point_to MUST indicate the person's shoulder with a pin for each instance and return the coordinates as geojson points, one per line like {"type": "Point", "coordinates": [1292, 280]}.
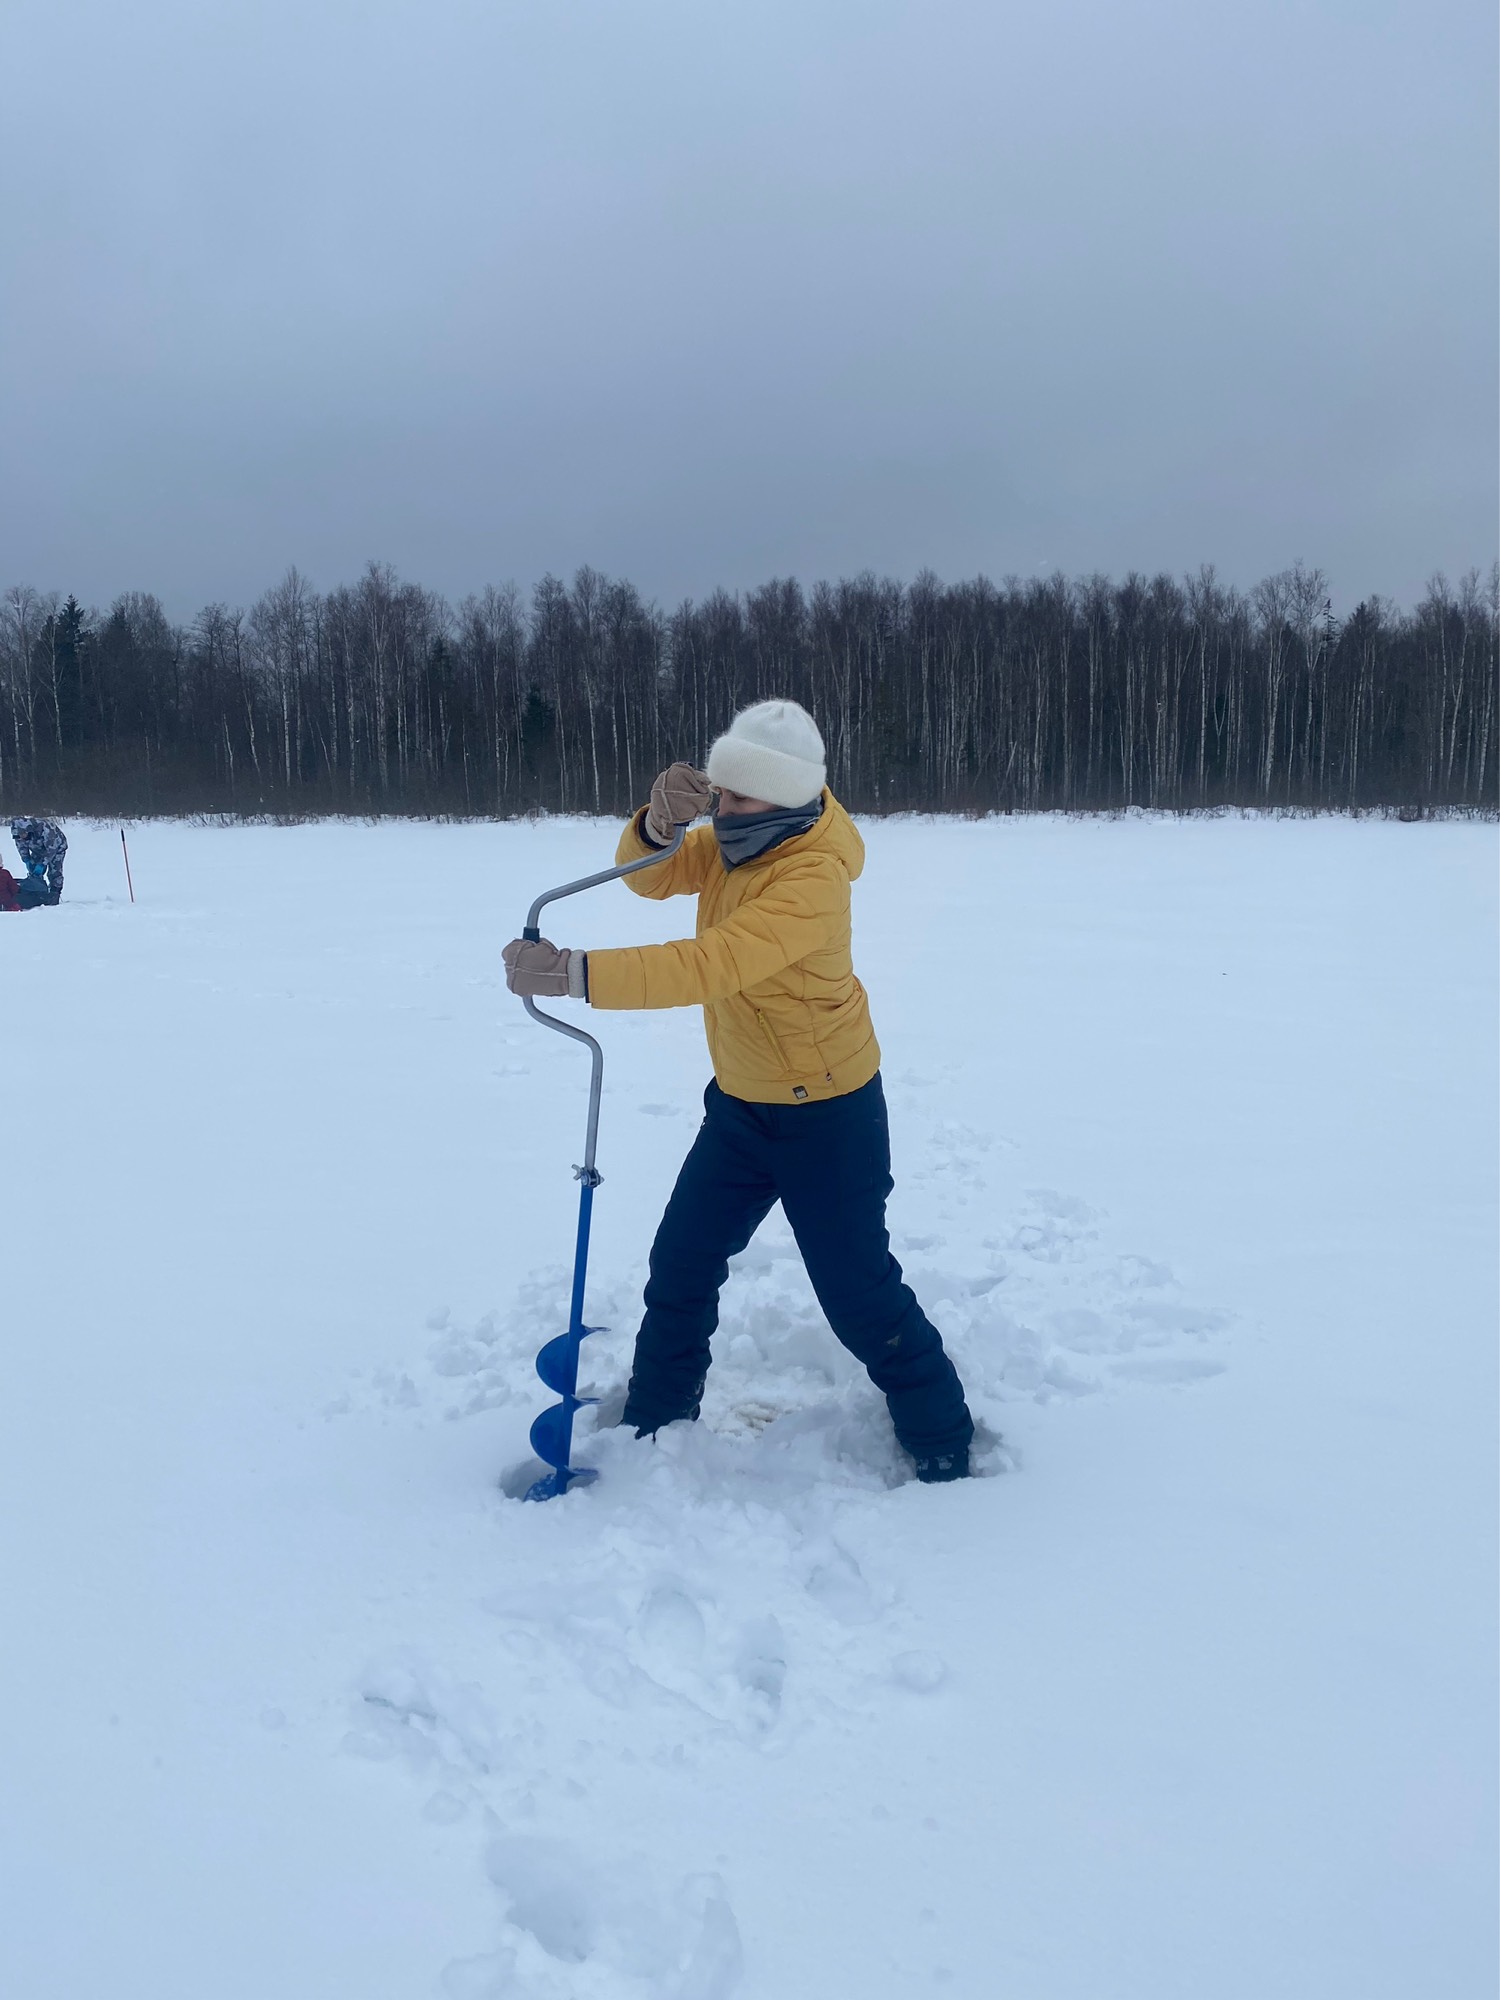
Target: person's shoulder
{"type": "Point", "coordinates": [810, 870]}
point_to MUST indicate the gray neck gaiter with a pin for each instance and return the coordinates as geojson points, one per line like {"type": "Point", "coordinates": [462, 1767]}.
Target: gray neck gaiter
{"type": "Point", "coordinates": [744, 836]}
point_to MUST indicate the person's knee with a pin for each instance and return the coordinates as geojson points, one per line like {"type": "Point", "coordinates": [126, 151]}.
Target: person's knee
{"type": "Point", "coordinates": [680, 1261]}
{"type": "Point", "coordinates": [888, 1332]}
{"type": "Point", "coordinates": [681, 1299]}
{"type": "Point", "coordinates": [861, 1293]}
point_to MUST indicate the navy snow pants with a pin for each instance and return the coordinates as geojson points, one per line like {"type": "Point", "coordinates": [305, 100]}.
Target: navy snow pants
{"type": "Point", "coordinates": [829, 1165]}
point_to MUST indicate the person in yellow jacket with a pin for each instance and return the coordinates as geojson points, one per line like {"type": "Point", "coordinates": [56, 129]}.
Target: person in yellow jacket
{"type": "Point", "coordinates": [795, 1111]}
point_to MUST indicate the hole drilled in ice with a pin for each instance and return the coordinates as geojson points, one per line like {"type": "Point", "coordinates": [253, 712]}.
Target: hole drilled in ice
{"type": "Point", "coordinates": [517, 1480]}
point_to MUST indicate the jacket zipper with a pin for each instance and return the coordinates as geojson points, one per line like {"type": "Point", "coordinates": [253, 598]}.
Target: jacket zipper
{"type": "Point", "coordinates": [770, 1034]}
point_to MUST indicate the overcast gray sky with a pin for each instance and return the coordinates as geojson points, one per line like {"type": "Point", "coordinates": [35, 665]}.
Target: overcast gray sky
{"type": "Point", "coordinates": [702, 292]}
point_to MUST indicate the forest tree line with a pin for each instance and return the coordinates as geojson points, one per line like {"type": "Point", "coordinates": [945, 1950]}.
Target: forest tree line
{"type": "Point", "coordinates": [1043, 694]}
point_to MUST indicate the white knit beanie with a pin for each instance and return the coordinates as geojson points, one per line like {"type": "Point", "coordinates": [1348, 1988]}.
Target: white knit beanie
{"type": "Point", "coordinates": [772, 750]}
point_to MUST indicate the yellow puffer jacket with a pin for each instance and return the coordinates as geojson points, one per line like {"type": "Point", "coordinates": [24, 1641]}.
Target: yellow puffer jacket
{"type": "Point", "coordinates": [787, 1020]}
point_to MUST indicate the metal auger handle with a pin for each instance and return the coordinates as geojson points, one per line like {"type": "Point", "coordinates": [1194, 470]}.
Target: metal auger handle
{"type": "Point", "coordinates": [533, 935]}
{"type": "Point", "coordinates": [588, 1173]}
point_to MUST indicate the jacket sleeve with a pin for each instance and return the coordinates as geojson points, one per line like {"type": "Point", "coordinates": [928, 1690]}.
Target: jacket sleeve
{"type": "Point", "coordinates": [683, 875]}
{"type": "Point", "coordinates": [797, 915]}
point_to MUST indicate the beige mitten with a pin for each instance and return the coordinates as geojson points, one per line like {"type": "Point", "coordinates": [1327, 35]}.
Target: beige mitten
{"type": "Point", "coordinates": [546, 971]}
{"type": "Point", "coordinates": [680, 794]}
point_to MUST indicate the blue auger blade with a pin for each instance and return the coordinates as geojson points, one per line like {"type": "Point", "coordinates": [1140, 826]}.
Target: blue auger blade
{"type": "Point", "coordinates": [551, 1440]}
{"type": "Point", "coordinates": [552, 1435]}
{"type": "Point", "coordinates": [557, 1363]}
{"type": "Point", "coordinates": [555, 1484]}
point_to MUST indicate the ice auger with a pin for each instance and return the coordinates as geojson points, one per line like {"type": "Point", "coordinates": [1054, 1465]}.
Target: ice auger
{"type": "Point", "coordinates": [557, 1363]}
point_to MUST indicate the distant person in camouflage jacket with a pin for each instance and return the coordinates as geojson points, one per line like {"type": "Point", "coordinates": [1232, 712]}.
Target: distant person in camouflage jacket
{"type": "Point", "coordinates": [42, 844]}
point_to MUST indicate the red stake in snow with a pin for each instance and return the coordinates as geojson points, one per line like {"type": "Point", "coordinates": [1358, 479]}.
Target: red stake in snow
{"type": "Point", "coordinates": [126, 851]}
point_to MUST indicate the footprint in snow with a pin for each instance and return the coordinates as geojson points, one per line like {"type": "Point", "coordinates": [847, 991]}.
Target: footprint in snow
{"type": "Point", "coordinates": [837, 1583]}
{"type": "Point", "coordinates": [920, 1672]}
{"type": "Point", "coordinates": [404, 1707]}
{"type": "Point", "coordinates": [1170, 1370]}
{"type": "Point", "coordinates": [577, 1924]}
{"type": "Point", "coordinates": [736, 1677]}
{"type": "Point", "coordinates": [1167, 1319]}
{"type": "Point", "coordinates": [670, 1627]}
{"type": "Point", "coordinates": [760, 1664]}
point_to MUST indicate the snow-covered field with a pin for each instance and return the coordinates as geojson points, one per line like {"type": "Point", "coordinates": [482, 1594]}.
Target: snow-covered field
{"type": "Point", "coordinates": [1193, 1699]}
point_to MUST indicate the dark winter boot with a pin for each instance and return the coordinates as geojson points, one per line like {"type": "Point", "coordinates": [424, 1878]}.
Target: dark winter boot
{"type": "Point", "coordinates": [943, 1465]}
{"type": "Point", "coordinates": [647, 1423]}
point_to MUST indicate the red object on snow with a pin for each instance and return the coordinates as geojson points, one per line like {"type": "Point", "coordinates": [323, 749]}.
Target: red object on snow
{"type": "Point", "coordinates": [9, 900]}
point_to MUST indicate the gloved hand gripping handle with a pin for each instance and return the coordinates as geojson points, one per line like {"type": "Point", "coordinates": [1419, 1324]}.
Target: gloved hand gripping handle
{"type": "Point", "coordinates": [557, 1364]}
